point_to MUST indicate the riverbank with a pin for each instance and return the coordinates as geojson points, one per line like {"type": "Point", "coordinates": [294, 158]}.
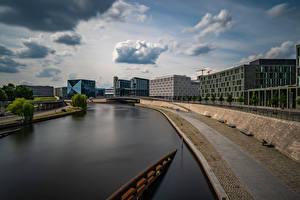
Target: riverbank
{"type": "Point", "coordinates": [68, 110]}
{"type": "Point", "coordinates": [277, 164]}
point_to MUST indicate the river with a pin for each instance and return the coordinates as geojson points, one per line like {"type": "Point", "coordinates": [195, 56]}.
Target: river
{"type": "Point", "coordinates": [89, 156]}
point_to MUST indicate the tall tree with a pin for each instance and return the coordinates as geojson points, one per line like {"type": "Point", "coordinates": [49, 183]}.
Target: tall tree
{"type": "Point", "coordinates": [22, 91]}
{"type": "Point", "coordinates": [229, 99]}
{"type": "Point", "coordinates": [10, 91]}
{"type": "Point", "coordinates": [282, 100]}
{"type": "Point", "coordinates": [213, 98]}
{"type": "Point", "coordinates": [221, 98]}
{"type": "Point", "coordinates": [3, 96]}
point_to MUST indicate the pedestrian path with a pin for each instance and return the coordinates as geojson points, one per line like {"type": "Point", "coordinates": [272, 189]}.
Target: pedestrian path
{"type": "Point", "coordinates": [261, 184]}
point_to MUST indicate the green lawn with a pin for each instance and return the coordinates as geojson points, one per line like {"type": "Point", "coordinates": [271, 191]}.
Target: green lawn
{"type": "Point", "coordinates": [44, 99]}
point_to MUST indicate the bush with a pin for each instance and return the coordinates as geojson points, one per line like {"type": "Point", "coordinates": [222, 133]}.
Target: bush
{"type": "Point", "coordinates": [63, 110]}
{"type": "Point", "coordinates": [213, 98]}
{"type": "Point", "coordinates": [79, 100]}
{"type": "Point", "coordinates": [199, 98]}
{"type": "Point", "coordinates": [22, 108]}
{"type": "Point", "coordinates": [221, 98]}
{"type": "Point", "coordinates": [254, 99]}
{"type": "Point", "coordinates": [229, 98]}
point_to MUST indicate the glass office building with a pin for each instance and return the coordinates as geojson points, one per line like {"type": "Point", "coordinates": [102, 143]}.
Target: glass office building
{"type": "Point", "coordinates": [139, 87]}
{"type": "Point", "coordinates": [80, 86]}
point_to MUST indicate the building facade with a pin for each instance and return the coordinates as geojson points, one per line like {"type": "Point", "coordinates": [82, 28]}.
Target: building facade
{"type": "Point", "coordinates": [100, 92]}
{"type": "Point", "coordinates": [109, 92]}
{"type": "Point", "coordinates": [61, 92]}
{"type": "Point", "coordinates": [298, 65]}
{"type": "Point", "coordinates": [258, 74]}
{"type": "Point", "coordinates": [173, 86]}
{"type": "Point", "coordinates": [81, 86]}
{"type": "Point", "coordinates": [134, 87]}
{"type": "Point", "coordinates": [139, 87]}
{"type": "Point", "coordinates": [41, 91]}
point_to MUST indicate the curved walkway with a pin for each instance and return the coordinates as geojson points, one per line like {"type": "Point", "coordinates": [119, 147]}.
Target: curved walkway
{"type": "Point", "coordinates": [258, 180]}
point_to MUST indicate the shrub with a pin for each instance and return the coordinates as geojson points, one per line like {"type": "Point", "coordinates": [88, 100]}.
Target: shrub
{"type": "Point", "coordinates": [199, 98]}
{"type": "Point", "coordinates": [221, 98]}
{"type": "Point", "coordinates": [213, 98]}
{"type": "Point", "coordinates": [79, 100]}
{"type": "Point", "coordinates": [63, 110]}
{"type": "Point", "coordinates": [254, 99]}
{"type": "Point", "coordinates": [229, 98]}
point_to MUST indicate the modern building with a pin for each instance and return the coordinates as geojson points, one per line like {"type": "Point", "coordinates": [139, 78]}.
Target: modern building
{"type": "Point", "coordinates": [41, 91]}
{"type": "Point", "coordinates": [81, 86]}
{"type": "Point", "coordinates": [298, 65]}
{"type": "Point", "coordinates": [122, 87]}
{"type": "Point", "coordinates": [139, 87]}
{"type": "Point", "coordinates": [134, 87]}
{"type": "Point", "coordinates": [172, 86]}
{"type": "Point", "coordinates": [241, 80]}
{"type": "Point", "coordinates": [61, 92]}
{"type": "Point", "coordinates": [100, 92]}
{"type": "Point", "coordinates": [109, 92]}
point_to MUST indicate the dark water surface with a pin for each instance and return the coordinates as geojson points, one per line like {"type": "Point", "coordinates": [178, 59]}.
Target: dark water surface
{"type": "Point", "coordinates": [89, 156]}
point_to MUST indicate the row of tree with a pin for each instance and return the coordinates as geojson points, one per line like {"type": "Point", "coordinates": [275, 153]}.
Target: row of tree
{"type": "Point", "coordinates": [10, 92]}
{"type": "Point", "coordinates": [213, 98]}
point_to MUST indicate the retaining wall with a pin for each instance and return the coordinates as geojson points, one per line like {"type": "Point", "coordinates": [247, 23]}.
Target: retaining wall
{"type": "Point", "coordinates": [162, 104]}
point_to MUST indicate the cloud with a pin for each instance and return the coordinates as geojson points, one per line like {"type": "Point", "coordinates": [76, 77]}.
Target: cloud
{"type": "Point", "coordinates": [120, 11]}
{"type": "Point", "coordinates": [279, 10]}
{"type": "Point", "coordinates": [70, 39]}
{"type": "Point", "coordinates": [51, 15]}
{"type": "Point", "coordinates": [285, 50]}
{"type": "Point", "coordinates": [212, 24]}
{"type": "Point", "coordinates": [137, 52]}
{"type": "Point", "coordinates": [48, 72]}
{"type": "Point", "coordinates": [199, 49]}
{"type": "Point", "coordinates": [8, 65]}
{"type": "Point", "coordinates": [73, 76]}
{"type": "Point", "coordinates": [34, 50]}
{"type": "Point", "coordinates": [5, 51]}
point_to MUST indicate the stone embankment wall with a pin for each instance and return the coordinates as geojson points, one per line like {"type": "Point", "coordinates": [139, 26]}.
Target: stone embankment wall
{"type": "Point", "coordinates": [162, 104]}
{"type": "Point", "coordinates": [285, 135]}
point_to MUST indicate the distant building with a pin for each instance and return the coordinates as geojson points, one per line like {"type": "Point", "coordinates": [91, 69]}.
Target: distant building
{"type": "Point", "coordinates": [139, 87]}
{"type": "Point", "coordinates": [100, 92]}
{"type": "Point", "coordinates": [134, 87]}
{"type": "Point", "coordinates": [173, 86]}
{"type": "Point", "coordinates": [61, 92]}
{"type": "Point", "coordinates": [109, 92]}
{"type": "Point", "coordinates": [41, 91]}
{"type": "Point", "coordinates": [81, 86]}
{"type": "Point", "coordinates": [298, 71]}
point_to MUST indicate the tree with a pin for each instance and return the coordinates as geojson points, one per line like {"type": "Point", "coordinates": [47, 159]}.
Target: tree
{"type": "Point", "coordinates": [241, 99]}
{"type": "Point", "coordinates": [22, 108]}
{"type": "Point", "coordinates": [189, 98]}
{"type": "Point", "coordinates": [298, 101]}
{"type": "Point", "coordinates": [282, 100]}
{"type": "Point", "coordinates": [22, 91]}
{"type": "Point", "coordinates": [221, 98]}
{"type": "Point", "coordinates": [3, 96]}
{"type": "Point", "coordinates": [229, 99]}
{"type": "Point", "coordinates": [183, 98]}
{"type": "Point", "coordinates": [79, 100]}
{"type": "Point", "coordinates": [254, 99]}
{"type": "Point", "coordinates": [206, 98]}
{"type": "Point", "coordinates": [194, 98]}
{"type": "Point", "coordinates": [274, 100]}
{"type": "Point", "coordinates": [10, 91]}
{"type": "Point", "coordinates": [213, 98]}
{"type": "Point", "coordinates": [199, 98]}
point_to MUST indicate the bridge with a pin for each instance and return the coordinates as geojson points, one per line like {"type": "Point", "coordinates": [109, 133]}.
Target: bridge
{"type": "Point", "coordinates": [123, 99]}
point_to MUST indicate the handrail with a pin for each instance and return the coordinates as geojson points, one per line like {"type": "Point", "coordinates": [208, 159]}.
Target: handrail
{"type": "Point", "coordinates": [137, 185]}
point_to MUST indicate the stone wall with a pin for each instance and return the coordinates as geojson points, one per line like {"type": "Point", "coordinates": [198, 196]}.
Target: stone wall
{"type": "Point", "coordinates": [285, 135]}
{"type": "Point", "coordinates": [162, 104]}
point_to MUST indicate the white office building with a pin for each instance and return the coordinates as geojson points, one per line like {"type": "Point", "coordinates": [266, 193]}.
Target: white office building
{"type": "Point", "coordinates": [173, 86]}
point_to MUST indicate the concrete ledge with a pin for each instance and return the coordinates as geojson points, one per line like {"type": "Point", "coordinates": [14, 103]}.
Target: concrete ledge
{"type": "Point", "coordinates": [218, 189]}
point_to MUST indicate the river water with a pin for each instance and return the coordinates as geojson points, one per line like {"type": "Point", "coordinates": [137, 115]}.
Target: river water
{"type": "Point", "coordinates": [89, 156]}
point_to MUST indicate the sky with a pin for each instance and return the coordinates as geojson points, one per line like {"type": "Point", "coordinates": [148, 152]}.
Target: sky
{"type": "Point", "coordinates": [48, 42]}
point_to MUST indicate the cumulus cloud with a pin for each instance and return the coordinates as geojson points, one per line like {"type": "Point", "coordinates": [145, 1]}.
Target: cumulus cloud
{"type": "Point", "coordinates": [279, 10]}
{"type": "Point", "coordinates": [5, 51]}
{"type": "Point", "coordinates": [120, 11]}
{"type": "Point", "coordinates": [137, 52]}
{"type": "Point", "coordinates": [34, 50]}
{"type": "Point", "coordinates": [70, 39]}
{"type": "Point", "coordinates": [8, 65]}
{"type": "Point", "coordinates": [48, 72]}
{"type": "Point", "coordinates": [199, 49]}
{"type": "Point", "coordinates": [285, 50]}
{"type": "Point", "coordinates": [212, 24]}
{"type": "Point", "coordinates": [51, 15]}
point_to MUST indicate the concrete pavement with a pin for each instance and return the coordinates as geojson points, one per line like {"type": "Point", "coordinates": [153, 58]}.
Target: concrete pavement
{"type": "Point", "coordinates": [260, 183]}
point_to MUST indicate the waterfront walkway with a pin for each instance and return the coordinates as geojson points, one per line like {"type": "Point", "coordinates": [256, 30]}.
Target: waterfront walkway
{"type": "Point", "coordinates": [259, 181]}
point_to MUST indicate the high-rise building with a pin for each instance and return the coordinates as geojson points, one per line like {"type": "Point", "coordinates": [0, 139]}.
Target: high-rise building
{"type": "Point", "coordinates": [81, 86]}
{"type": "Point", "coordinates": [172, 86]}
{"type": "Point", "coordinates": [41, 91]}
{"type": "Point", "coordinates": [121, 87]}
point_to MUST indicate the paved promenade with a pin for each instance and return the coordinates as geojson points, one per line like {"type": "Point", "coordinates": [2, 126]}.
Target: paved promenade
{"type": "Point", "coordinates": [258, 180]}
